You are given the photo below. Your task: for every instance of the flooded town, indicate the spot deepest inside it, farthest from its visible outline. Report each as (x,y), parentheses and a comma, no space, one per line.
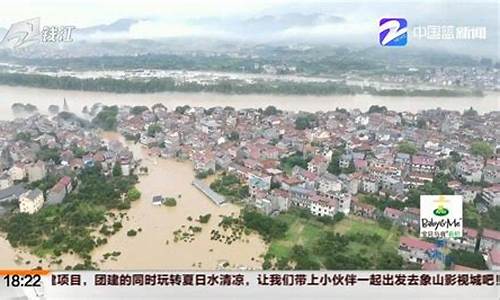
(188,180)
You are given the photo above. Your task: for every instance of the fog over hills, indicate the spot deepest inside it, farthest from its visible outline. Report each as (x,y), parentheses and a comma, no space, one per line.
(329,23)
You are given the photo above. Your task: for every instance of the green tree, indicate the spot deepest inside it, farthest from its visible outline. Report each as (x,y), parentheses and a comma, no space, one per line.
(482,149)
(117,170)
(153,129)
(469,259)
(107,118)
(137,110)
(169,201)
(305,121)
(407,147)
(388,260)
(133,194)
(271,110)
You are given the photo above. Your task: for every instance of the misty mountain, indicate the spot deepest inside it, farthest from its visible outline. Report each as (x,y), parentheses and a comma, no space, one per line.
(121,25)
(266,24)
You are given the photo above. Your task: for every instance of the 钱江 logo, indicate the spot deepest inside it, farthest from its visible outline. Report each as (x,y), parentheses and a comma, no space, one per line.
(28,32)
(393,32)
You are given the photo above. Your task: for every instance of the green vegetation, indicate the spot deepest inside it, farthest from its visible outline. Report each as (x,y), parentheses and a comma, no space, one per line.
(225,86)
(23,108)
(305,121)
(106,118)
(229,185)
(204,174)
(348,244)
(377,109)
(46,183)
(47,154)
(271,110)
(131,232)
(233,136)
(170,202)
(492,218)
(482,149)
(186,236)
(473,219)
(268,227)
(296,159)
(469,259)
(438,186)
(154,129)
(137,110)
(23,136)
(407,147)
(232,230)
(334,165)
(133,194)
(117,170)
(71,225)
(203,219)
(182,109)
(381,203)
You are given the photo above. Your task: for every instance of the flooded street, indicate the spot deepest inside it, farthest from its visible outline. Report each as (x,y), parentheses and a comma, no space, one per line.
(153,247)
(149,249)
(22,259)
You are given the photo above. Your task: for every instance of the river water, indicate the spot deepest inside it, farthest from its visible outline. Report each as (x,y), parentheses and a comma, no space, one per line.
(42,98)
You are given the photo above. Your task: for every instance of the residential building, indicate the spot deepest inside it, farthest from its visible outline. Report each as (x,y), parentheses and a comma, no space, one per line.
(467,242)
(491,172)
(328,182)
(470,169)
(423,164)
(5,181)
(491,195)
(323,206)
(415,250)
(493,260)
(59,191)
(36,171)
(489,240)
(31,201)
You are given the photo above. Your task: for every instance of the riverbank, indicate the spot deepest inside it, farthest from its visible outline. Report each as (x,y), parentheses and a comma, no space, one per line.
(76,100)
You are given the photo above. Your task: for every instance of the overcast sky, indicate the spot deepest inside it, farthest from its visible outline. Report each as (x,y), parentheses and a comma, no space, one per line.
(91,12)
(167,18)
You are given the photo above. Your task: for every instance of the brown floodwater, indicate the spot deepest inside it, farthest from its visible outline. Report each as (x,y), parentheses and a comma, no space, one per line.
(42,98)
(154,247)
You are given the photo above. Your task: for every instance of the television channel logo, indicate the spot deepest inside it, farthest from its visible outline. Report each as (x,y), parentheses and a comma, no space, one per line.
(393,32)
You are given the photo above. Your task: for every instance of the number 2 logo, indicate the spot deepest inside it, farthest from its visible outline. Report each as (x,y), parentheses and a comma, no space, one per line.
(393,32)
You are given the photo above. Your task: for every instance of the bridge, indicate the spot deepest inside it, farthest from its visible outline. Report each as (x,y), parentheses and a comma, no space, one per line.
(205,189)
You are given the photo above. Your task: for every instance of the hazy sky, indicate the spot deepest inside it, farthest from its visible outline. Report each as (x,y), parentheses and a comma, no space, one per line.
(167,18)
(92,12)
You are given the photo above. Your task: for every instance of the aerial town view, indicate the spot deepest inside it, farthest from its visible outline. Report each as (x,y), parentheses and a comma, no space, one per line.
(289,153)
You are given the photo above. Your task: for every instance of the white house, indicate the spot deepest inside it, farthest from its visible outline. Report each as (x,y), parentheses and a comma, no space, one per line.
(31,201)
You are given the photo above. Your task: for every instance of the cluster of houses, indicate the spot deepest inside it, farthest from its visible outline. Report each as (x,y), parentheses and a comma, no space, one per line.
(363,147)
(431,255)
(36,148)
(252,143)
